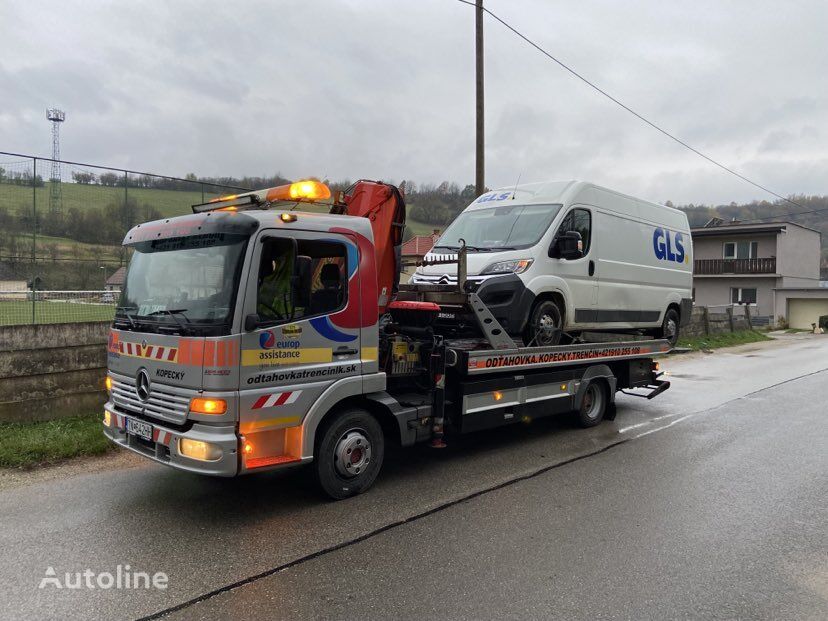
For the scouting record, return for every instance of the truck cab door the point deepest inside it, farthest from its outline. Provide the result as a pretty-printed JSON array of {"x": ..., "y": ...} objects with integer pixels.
[{"x": 297, "y": 342}]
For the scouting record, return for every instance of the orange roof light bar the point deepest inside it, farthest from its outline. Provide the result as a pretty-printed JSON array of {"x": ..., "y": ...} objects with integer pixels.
[{"x": 300, "y": 191}]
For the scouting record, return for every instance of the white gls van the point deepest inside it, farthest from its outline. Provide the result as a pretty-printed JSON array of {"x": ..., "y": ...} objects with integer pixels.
[{"x": 569, "y": 256}]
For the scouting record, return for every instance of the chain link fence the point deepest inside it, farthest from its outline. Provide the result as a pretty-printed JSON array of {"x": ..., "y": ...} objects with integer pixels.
[{"x": 61, "y": 257}]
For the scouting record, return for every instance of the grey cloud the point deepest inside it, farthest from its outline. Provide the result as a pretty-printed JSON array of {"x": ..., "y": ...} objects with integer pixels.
[{"x": 371, "y": 88}]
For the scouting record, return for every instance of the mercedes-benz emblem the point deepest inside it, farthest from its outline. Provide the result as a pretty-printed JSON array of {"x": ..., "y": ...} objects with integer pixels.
[{"x": 142, "y": 385}]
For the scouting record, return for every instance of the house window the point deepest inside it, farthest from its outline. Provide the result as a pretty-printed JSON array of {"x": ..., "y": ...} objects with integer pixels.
[
  {"x": 740, "y": 250},
  {"x": 741, "y": 295}
]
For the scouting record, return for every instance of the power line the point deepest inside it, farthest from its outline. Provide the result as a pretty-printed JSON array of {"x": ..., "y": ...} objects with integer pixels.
[{"x": 626, "y": 107}]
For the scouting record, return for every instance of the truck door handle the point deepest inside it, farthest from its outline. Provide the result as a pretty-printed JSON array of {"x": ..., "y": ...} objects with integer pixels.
[
  {"x": 591, "y": 267},
  {"x": 345, "y": 351}
]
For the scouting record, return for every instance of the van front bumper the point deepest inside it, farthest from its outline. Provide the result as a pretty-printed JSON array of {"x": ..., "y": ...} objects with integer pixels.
[{"x": 163, "y": 447}]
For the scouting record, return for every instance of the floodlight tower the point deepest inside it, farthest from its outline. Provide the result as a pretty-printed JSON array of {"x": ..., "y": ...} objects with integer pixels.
[{"x": 55, "y": 201}]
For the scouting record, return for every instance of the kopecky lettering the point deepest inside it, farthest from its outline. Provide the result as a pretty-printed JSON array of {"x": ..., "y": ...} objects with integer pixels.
[{"x": 168, "y": 374}]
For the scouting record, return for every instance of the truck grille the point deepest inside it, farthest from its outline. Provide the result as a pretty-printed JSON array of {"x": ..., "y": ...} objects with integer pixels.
[{"x": 163, "y": 403}]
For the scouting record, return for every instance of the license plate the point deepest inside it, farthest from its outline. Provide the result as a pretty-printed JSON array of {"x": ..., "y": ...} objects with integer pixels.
[{"x": 139, "y": 428}]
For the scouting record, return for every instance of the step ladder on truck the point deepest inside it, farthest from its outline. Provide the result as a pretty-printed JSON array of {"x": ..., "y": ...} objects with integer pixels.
[{"x": 304, "y": 347}]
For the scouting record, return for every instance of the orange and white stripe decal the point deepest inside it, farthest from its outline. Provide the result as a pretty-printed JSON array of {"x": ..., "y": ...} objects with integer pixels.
[
  {"x": 276, "y": 399},
  {"x": 161, "y": 437},
  {"x": 162, "y": 353}
]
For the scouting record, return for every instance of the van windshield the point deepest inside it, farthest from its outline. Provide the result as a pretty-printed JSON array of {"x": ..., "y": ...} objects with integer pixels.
[
  {"x": 510, "y": 227},
  {"x": 187, "y": 284}
]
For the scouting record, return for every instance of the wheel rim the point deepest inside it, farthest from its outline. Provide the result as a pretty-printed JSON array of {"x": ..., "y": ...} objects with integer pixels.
[
  {"x": 670, "y": 329},
  {"x": 352, "y": 453},
  {"x": 547, "y": 329},
  {"x": 593, "y": 401}
]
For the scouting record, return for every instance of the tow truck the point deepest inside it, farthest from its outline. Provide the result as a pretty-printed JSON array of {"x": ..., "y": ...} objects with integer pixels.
[{"x": 254, "y": 335}]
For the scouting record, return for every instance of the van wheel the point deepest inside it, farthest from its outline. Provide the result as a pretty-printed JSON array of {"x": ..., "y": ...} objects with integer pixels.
[
  {"x": 594, "y": 404},
  {"x": 545, "y": 325},
  {"x": 349, "y": 453},
  {"x": 670, "y": 327}
]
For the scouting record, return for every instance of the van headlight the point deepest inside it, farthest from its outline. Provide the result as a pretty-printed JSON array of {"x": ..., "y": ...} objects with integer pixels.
[{"x": 515, "y": 266}]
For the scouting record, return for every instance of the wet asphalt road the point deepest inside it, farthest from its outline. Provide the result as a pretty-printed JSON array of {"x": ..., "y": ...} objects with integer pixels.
[{"x": 710, "y": 501}]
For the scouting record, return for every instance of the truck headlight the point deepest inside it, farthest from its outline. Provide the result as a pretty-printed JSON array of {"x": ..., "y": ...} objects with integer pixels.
[
  {"x": 196, "y": 449},
  {"x": 515, "y": 266}
]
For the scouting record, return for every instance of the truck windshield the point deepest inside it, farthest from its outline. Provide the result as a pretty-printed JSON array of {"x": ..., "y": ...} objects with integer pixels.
[
  {"x": 508, "y": 227},
  {"x": 184, "y": 284}
]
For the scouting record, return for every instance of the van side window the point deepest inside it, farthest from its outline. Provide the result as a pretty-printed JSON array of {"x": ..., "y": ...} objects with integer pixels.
[
  {"x": 579, "y": 220},
  {"x": 301, "y": 279}
]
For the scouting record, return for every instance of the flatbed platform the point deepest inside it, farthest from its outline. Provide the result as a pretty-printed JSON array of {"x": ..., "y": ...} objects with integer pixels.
[{"x": 478, "y": 362}]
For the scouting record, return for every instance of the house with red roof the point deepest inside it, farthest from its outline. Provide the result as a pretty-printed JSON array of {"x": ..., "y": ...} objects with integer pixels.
[{"x": 416, "y": 248}]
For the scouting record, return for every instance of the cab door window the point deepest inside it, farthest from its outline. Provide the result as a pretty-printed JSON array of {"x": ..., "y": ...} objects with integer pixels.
[
  {"x": 299, "y": 279},
  {"x": 579, "y": 220}
]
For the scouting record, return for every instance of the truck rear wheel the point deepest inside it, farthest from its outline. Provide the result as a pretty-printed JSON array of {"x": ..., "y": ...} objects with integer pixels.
[
  {"x": 545, "y": 325},
  {"x": 594, "y": 404},
  {"x": 349, "y": 453}
]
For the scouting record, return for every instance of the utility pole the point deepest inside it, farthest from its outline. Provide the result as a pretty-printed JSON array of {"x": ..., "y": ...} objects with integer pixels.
[{"x": 479, "y": 174}]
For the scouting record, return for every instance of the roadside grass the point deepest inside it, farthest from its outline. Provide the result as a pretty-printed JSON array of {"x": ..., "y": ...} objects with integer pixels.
[
  {"x": 24, "y": 445},
  {"x": 727, "y": 339},
  {"x": 16, "y": 312}
]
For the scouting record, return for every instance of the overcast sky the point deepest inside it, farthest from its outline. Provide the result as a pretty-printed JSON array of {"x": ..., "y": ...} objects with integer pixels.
[{"x": 385, "y": 89}]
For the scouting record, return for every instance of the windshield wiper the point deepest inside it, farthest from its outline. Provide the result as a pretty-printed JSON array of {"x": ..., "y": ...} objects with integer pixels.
[
  {"x": 123, "y": 309},
  {"x": 471, "y": 248},
  {"x": 174, "y": 315}
]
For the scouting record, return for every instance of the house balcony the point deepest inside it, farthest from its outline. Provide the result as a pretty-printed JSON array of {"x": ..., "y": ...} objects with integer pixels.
[{"x": 719, "y": 267}]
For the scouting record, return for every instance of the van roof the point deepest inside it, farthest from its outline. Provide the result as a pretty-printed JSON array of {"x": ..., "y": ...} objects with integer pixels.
[{"x": 563, "y": 192}]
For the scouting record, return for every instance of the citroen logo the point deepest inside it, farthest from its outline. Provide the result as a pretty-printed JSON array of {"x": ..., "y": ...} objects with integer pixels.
[
  {"x": 444, "y": 279},
  {"x": 142, "y": 385}
]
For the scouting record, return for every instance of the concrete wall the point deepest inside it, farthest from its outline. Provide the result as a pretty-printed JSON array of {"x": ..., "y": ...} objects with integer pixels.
[
  {"x": 799, "y": 256},
  {"x": 52, "y": 370},
  {"x": 714, "y": 291},
  {"x": 712, "y": 247}
]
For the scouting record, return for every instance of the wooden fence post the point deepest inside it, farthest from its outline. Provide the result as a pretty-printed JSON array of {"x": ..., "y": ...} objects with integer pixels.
[
  {"x": 747, "y": 316},
  {"x": 706, "y": 320},
  {"x": 729, "y": 311}
]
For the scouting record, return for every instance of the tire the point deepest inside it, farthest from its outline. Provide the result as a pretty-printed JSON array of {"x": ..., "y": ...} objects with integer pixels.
[
  {"x": 594, "y": 404},
  {"x": 349, "y": 452},
  {"x": 670, "y": 327},
  {"x": 545, "y": 325}
]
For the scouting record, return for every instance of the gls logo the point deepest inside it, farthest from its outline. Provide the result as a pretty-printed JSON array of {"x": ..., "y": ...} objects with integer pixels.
[
  {"x": 664, "y": 243},
  {"x": 494, "y": 196}
]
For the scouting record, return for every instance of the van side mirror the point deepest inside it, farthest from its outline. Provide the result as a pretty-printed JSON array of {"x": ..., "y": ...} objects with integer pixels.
[
  {"x": 568, "y": 245},
  {"x": 251, "y": 322}
]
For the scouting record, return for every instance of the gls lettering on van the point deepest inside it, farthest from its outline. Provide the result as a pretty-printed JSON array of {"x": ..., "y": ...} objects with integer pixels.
[
  {"x": 493, "y": 196},
  {"x": 669, "y": 246}
]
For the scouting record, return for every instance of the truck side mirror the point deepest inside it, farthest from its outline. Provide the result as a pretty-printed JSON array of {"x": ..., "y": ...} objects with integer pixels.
[
  {"x": 568, "y": 245},
  {"x": 251, "y": 322}
]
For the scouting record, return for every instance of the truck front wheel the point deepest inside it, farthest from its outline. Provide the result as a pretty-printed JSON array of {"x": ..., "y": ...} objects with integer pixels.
[{"x": 349, "y": 452}]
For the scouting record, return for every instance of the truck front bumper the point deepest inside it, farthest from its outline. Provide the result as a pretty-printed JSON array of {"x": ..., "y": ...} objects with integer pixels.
[{"x": 164, "y": 445}]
